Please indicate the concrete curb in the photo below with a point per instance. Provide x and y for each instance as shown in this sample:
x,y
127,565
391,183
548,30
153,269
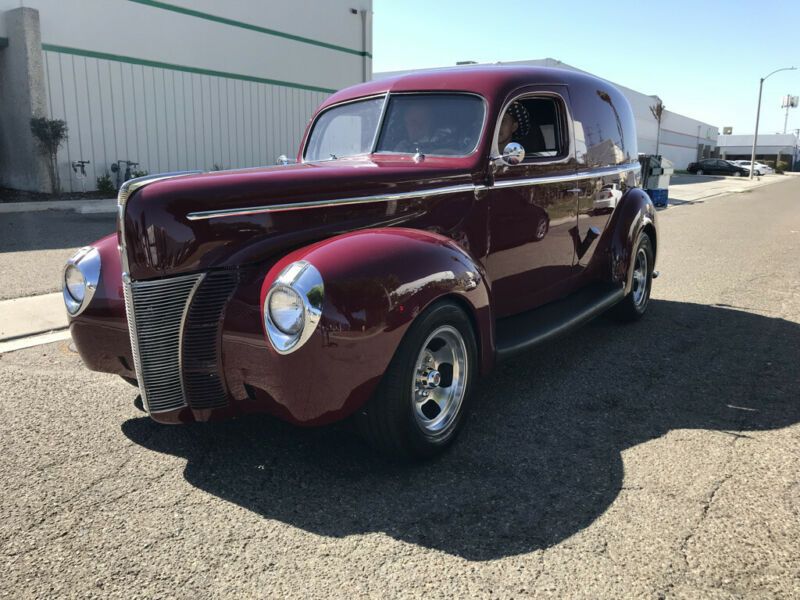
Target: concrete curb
x,y
101,206
22,317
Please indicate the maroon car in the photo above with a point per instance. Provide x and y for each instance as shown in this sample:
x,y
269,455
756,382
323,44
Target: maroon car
x,y
433,224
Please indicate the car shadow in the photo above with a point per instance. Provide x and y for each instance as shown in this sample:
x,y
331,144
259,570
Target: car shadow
x,y
540,457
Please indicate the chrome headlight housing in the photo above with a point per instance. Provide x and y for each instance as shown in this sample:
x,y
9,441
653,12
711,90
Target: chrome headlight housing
x,y
293,306
80,278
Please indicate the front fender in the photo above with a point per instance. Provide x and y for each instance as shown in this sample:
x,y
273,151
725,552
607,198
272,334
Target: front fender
x,y
375,283
635,213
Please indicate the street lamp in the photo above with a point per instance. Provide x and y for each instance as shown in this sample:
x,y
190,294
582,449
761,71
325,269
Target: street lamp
x,y
758,114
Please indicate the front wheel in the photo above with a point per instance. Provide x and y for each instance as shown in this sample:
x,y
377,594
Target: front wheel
x,y
420,404
737,174
634,305
699,172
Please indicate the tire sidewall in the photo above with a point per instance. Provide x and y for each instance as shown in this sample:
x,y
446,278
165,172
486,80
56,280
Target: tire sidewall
x,y
645,242
444,313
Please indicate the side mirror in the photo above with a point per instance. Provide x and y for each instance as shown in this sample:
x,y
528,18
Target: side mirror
x,y
513,153
283,160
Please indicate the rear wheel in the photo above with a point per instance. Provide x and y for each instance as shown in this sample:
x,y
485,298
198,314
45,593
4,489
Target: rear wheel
x,y
634,305
419,406
699,172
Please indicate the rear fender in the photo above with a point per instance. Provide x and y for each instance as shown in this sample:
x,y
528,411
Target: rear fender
x,y
634,214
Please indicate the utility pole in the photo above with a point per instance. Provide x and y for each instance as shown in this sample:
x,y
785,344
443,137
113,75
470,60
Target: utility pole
x,y
758,116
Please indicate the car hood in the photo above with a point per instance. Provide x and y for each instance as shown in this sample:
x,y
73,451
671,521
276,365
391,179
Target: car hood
x,y
166,228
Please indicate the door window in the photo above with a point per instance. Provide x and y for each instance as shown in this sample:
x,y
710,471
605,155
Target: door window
x,y
538,124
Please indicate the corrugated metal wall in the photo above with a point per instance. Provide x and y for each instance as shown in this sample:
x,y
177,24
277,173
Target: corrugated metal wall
x,y
167,119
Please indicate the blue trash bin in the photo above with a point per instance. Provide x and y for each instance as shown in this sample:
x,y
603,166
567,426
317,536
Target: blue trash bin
x,y
660,197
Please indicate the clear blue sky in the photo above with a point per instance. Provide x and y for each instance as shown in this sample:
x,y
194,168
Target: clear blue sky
x,y
702,58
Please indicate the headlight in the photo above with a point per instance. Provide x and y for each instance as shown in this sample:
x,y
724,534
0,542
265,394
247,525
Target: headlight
x,y
80,279
293,306
75,282
286,310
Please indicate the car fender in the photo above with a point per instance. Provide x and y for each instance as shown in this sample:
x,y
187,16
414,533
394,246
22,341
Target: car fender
x,y
376,281
634,214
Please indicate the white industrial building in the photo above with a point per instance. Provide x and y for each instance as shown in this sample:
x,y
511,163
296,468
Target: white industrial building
x,y
771,148
184,84
682,139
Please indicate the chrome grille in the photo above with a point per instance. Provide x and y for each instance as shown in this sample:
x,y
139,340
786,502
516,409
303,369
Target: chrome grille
x,y
156,314
202,379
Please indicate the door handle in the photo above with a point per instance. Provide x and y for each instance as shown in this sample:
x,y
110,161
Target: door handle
x,y
574,191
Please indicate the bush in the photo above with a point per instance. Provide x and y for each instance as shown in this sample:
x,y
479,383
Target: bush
x,y
50,134
781,167
138,173
105,185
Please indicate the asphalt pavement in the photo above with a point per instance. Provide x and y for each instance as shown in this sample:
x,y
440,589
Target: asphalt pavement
x,y
653,460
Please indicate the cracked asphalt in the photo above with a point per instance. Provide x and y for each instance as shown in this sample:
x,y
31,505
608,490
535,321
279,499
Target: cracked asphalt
x,y
654,460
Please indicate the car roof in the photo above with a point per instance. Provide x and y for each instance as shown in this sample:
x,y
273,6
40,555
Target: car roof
x,y
489,81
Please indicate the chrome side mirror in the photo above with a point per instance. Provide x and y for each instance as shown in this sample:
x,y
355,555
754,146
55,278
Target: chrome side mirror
x,y
513,153
283,160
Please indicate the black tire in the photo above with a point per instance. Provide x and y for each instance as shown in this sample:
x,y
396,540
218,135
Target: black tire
x,y
634,305
699,172
391,420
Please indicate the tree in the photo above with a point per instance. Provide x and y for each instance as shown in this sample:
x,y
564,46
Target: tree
x,y
657,110
50,134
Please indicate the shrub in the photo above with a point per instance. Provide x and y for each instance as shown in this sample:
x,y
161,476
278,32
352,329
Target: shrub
x,y
138,173
105,185
781,167
50,134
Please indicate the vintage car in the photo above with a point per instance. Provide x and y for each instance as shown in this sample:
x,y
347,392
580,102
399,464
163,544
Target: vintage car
x,y
433,224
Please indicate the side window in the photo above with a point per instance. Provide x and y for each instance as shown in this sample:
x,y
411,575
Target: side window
x,y
538,124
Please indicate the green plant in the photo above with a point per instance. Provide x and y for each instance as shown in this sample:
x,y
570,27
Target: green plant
x,y
50,134
781,167
138,173
217,167
105,185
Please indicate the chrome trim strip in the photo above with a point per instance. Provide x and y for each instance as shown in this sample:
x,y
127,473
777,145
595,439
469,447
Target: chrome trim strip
x,y
236,212
579,176
454,189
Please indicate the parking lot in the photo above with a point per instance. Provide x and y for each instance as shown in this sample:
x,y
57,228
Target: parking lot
x,y
655,460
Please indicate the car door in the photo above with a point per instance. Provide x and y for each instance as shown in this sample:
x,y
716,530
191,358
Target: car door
x,y
533,207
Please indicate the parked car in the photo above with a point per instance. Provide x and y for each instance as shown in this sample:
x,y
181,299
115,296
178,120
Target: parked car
x,y
717,166
761,168
433,225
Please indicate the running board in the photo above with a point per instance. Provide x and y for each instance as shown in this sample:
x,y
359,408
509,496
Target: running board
x,y
524,331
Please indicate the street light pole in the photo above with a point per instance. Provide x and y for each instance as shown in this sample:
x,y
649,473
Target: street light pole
x,y
758,115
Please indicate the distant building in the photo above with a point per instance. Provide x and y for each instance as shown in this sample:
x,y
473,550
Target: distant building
x,y
772,148
682,140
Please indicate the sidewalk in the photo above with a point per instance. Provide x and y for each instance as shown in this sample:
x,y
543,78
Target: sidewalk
x,y
685,189
31,321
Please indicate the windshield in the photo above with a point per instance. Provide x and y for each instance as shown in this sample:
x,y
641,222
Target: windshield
x,y
345,130
436,124
439,124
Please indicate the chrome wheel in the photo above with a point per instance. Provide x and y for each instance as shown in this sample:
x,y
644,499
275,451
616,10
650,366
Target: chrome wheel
x,y
440,381
640,274
699,172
